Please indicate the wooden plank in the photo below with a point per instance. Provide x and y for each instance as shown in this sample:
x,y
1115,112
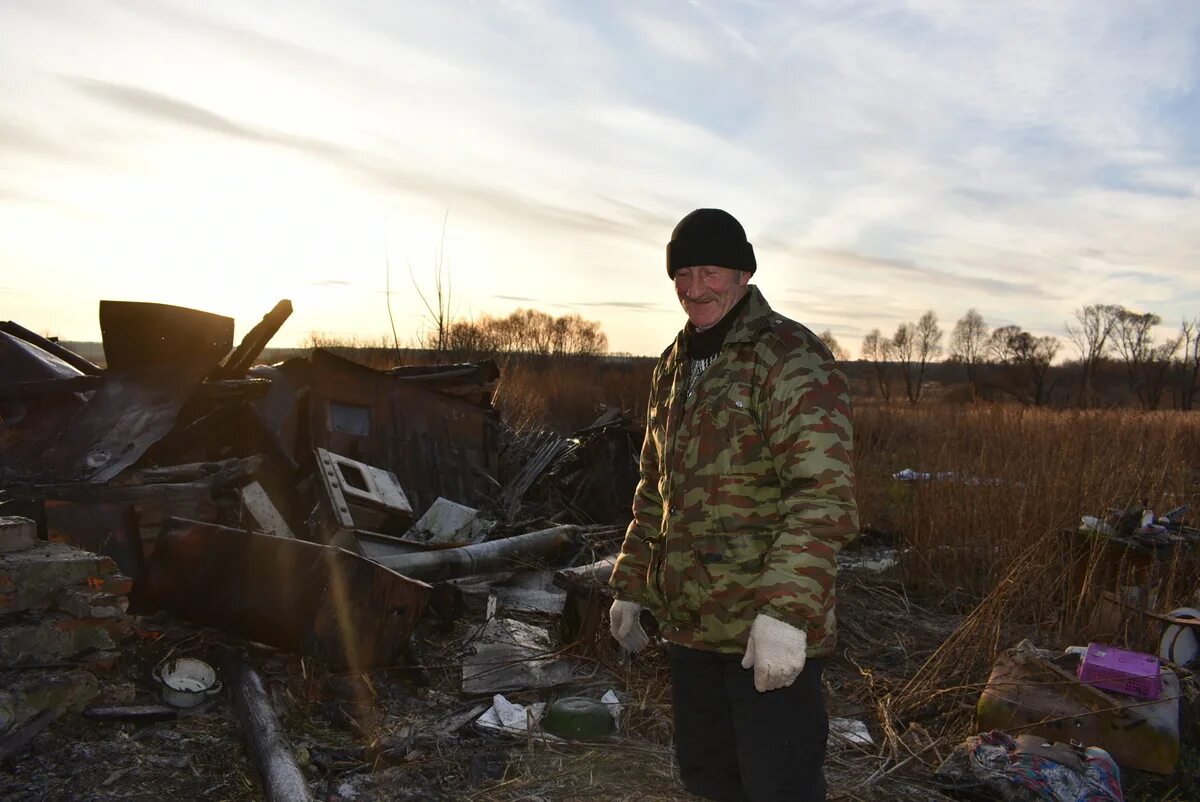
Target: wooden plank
x,y
262,509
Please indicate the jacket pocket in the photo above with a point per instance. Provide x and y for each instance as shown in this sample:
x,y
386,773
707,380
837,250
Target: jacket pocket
x,y
728,567
737,424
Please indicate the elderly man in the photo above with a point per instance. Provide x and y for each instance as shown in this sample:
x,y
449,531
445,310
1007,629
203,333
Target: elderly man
x,y
746,496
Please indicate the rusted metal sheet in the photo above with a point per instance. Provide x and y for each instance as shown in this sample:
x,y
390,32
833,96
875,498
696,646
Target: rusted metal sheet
x,y
436,444
49,346
125,416
304,597
138,335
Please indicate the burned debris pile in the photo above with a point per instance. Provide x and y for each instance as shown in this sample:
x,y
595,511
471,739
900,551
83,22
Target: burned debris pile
x,y
317,508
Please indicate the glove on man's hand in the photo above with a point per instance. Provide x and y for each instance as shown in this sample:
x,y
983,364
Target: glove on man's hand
x,y
626,628
776,653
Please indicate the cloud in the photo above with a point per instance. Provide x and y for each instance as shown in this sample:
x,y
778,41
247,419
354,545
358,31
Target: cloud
x,y
886,157
944,279
675,38
630,306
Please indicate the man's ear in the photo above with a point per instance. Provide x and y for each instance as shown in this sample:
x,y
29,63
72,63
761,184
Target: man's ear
x,y
744,277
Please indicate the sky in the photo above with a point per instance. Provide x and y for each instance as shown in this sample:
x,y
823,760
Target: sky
x,y
1020,158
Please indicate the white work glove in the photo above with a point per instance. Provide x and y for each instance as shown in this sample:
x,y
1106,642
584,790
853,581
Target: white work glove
x,y
626,628
775,651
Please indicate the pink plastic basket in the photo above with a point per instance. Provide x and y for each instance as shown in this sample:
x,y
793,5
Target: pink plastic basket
x,y
1113,669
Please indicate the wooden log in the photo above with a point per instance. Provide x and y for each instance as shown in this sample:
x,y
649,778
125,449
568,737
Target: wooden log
x,y
273,757
143,713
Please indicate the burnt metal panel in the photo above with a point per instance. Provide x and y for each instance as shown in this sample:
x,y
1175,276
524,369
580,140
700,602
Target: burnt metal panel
x,y
435,444
300,596
137,335
124,417
22,361
49,346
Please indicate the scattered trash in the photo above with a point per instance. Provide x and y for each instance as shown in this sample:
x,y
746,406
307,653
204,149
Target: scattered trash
x,y
567,718
871,561
512,655
849,731
1034,691
994,765
1179,643
578,718
1131,673
505,716
449,524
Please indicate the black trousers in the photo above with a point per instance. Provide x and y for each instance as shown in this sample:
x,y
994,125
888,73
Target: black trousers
x,y
735,744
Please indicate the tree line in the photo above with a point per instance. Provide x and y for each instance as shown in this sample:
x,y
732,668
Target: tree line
x,y
1020,364
525,331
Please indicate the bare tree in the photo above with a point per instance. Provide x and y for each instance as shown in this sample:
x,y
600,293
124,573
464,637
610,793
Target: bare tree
x,y
1091,334
968,346
929,346
835,348
915,347
1187,364
1146,364
438,309
904,347
1025,360
878,351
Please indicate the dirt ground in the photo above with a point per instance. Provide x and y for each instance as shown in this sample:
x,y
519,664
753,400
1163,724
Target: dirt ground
x,y
393,735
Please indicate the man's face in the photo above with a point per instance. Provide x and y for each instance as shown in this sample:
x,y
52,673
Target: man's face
x,y
708,292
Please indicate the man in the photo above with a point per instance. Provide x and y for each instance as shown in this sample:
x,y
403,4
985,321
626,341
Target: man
x,y
746,496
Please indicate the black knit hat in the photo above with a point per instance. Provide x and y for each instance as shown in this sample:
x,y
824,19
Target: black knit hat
x,y
709,237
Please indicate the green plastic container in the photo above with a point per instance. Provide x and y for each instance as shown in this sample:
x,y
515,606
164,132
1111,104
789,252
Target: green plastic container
x,y
577,718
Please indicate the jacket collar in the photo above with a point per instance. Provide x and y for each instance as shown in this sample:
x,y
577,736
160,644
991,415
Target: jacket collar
x,y
754,318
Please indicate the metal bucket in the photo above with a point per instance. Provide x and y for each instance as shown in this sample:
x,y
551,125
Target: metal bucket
x,y
186,681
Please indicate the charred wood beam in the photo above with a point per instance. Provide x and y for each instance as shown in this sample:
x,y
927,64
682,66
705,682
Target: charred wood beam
x,y
273,757
242,358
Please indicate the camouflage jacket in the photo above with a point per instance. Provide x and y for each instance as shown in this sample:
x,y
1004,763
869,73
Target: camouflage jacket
x,y
746,492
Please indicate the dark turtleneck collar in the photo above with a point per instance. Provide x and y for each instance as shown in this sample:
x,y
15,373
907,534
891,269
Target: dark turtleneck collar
x,y
704,344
